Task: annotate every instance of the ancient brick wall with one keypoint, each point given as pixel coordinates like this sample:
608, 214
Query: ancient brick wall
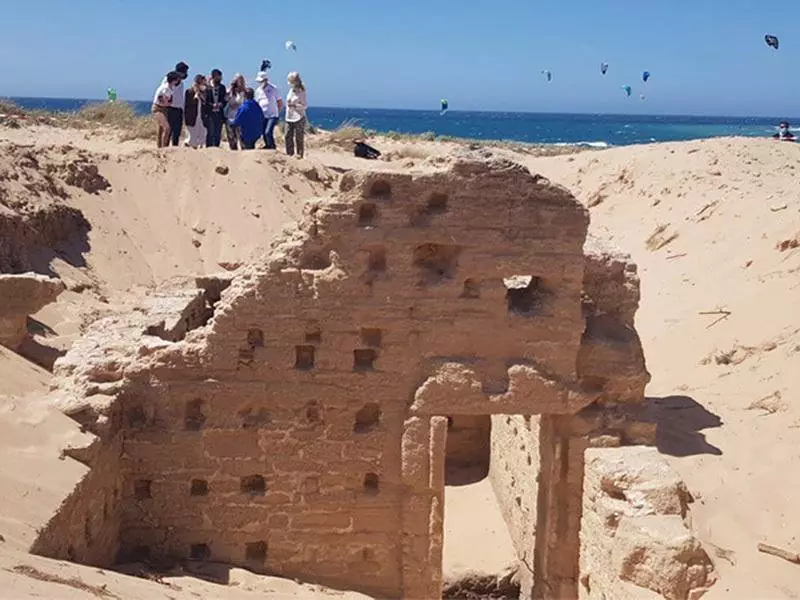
514, 474
302, 430
611, 358
86, 527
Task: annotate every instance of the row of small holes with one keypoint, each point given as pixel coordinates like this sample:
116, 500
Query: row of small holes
254, 485
194, 418
363, 358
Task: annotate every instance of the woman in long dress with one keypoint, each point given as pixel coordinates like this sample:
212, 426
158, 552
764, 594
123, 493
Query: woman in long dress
235, 100
194, 113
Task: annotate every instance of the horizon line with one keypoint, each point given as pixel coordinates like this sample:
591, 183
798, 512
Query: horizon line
433, 110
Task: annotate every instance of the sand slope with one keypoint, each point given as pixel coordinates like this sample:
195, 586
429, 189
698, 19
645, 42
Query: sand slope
726, 391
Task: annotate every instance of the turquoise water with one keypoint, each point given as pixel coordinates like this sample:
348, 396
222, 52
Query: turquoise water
544, 128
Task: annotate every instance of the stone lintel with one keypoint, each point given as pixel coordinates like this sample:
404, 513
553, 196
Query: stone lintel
456, 389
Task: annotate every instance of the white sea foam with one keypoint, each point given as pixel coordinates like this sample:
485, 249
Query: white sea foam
585, 144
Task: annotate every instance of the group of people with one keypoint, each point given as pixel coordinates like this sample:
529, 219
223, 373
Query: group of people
247, 114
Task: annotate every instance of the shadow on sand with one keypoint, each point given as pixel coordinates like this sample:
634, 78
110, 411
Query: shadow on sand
71, 250
681, 420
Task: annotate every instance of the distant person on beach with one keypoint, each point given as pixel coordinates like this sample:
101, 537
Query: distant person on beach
296, 105
175, 112
249, 120
236, 98
784, 132
216, 98
268, 97
195, 112
162, 102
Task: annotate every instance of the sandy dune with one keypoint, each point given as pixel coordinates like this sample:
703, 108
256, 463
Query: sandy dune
711, 225
726, 390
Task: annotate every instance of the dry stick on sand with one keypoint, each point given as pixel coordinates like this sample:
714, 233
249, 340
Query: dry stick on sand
677, 256
792, 557
724, 315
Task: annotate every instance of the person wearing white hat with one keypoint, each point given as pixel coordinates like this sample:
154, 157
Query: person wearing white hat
269, 99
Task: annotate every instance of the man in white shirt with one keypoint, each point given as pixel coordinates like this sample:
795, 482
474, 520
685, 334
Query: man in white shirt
175, 111
269, 99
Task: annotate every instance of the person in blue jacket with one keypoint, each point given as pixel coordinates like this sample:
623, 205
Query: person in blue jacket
250, 119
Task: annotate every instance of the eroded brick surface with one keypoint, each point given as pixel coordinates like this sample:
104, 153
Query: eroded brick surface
296, 421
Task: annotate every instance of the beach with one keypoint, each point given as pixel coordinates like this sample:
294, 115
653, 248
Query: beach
585, 130
712, 225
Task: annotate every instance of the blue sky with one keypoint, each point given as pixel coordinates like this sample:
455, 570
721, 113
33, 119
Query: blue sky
705, 56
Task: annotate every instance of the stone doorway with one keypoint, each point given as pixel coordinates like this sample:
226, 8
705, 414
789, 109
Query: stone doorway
478, 558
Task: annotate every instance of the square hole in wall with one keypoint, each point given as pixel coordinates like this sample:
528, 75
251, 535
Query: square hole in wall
380, 189
255, 338
199, 552
142, 489
435, 262
523, 294
194, 419
254, 419
256, 552
377, 258
372, 484
304, 357
437, 204
364, 359
199, 487
314, 335
136, 416
255, 485
371, 337
367, 214
368, 418
472, 289
315, 260
313, 413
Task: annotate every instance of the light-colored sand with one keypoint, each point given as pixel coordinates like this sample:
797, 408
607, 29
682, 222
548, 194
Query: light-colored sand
731, 202
476, 539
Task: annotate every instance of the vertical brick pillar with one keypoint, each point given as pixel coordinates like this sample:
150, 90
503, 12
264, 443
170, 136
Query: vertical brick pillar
557, 549
423, 449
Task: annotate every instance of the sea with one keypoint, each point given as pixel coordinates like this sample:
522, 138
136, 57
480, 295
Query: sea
600, 130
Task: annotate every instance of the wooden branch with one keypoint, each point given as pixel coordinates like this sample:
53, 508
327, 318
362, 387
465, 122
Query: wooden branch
778, 208
724, 314
792, 557
676, 256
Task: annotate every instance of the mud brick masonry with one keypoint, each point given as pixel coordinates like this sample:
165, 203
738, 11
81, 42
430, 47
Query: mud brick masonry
293, 417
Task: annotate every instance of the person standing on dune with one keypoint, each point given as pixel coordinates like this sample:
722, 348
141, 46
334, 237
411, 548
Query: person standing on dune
175, 112
162, 101
268, 97
195, 112
236, 97
249, 120
296, 105
216, 98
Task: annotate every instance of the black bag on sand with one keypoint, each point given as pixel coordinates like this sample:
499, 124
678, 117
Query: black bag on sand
363, 150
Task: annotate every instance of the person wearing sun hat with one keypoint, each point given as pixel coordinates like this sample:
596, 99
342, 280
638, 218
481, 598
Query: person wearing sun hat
269, 99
